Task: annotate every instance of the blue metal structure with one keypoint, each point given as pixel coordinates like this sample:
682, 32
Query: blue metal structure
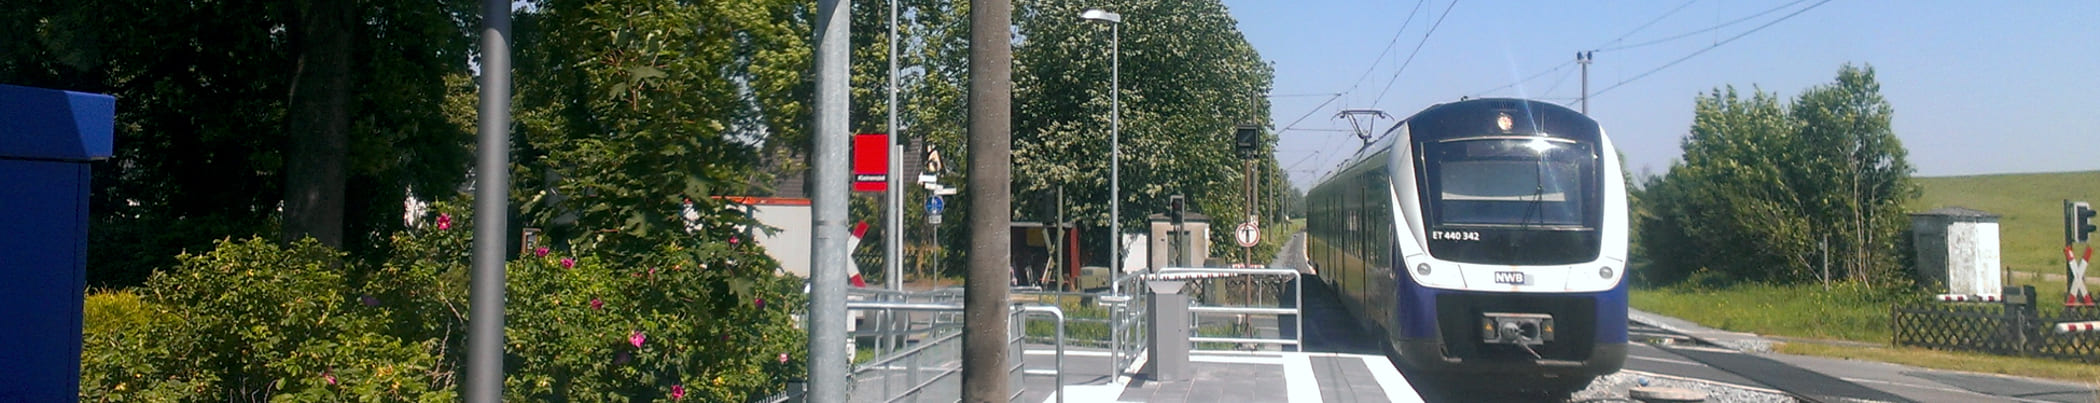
47, 140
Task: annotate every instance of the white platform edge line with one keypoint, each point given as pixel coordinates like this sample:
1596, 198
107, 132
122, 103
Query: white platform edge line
1241, 360
1396, 387
1299, 383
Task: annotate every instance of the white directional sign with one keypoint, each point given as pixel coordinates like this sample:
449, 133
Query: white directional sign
1248, 234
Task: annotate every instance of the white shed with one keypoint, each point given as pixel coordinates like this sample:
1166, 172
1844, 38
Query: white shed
1958, 247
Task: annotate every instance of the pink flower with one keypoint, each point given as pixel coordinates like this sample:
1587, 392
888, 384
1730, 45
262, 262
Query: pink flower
597, 303
783, 358
568, 263
761, 303
444, 222
677, 392
733, 240
541, 252
636, 339
327, 377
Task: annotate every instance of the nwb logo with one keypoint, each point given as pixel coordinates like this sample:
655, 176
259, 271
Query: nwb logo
1511, 277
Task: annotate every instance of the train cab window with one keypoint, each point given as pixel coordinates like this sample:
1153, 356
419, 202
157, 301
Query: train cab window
1512, 181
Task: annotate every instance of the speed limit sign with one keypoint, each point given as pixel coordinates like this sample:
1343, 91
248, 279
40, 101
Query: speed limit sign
1248, 234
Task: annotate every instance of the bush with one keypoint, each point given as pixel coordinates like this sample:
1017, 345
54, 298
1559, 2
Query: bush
254, 321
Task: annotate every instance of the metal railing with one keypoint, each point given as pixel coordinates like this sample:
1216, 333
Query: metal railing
1023, 313
920, 357
1206, 305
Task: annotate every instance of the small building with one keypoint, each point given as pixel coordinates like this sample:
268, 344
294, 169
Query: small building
1958, 247
1193, 240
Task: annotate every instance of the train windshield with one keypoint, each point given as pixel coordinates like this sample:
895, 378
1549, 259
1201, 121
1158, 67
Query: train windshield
1512, 182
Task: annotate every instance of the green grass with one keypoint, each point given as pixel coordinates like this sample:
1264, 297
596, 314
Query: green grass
1844, 313
1847, 312
2030, 230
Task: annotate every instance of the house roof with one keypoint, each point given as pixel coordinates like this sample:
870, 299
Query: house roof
1958, 212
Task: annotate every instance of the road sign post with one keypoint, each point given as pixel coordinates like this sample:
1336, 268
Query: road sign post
1248, 234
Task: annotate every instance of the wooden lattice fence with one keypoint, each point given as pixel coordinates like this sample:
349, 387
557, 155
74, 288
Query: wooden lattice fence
2007, 329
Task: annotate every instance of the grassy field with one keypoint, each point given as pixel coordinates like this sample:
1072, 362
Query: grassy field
1844, 313
2031, 229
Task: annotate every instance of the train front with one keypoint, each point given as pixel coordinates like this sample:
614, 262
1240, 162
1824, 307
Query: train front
1517, 265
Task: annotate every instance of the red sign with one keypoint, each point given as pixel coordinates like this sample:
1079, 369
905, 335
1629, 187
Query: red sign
871, 162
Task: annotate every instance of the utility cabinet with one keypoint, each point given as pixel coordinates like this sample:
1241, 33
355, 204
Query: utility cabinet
1191, 242
47, 140
1958, 247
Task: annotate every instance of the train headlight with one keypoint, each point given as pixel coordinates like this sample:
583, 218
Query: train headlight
1422, 269
1605, 272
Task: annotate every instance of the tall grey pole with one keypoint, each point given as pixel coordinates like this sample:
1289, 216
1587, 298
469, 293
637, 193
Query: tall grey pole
991, 208
827, 312
893, 196
491, 205
1115, 150
1583, 58
893, 233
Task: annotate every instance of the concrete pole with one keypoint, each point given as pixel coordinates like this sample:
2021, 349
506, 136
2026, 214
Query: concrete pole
827, 312
484, 383
893, 196
1583, 58
991, 211
893, 233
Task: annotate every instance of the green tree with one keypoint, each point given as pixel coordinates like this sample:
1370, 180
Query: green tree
1188, 77
627, 109
204, 93
1864, 165
1763, 183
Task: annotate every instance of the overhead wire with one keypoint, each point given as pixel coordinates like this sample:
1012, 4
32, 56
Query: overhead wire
1388, 47
1565, 64
1696, 53
1651, 22
1704, 30
1557, 82
1418, 49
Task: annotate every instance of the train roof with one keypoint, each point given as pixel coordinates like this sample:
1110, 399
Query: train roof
1472, 117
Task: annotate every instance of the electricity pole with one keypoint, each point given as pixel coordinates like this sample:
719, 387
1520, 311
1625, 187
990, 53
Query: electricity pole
893, 231
991, 212
828, 262
1583, 58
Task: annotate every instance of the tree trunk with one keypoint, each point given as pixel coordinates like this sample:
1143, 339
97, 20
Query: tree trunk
318, 123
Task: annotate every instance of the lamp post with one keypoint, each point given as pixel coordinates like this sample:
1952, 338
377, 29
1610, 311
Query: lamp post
1115, 143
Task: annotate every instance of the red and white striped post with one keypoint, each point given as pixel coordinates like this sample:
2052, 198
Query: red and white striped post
2078, 295
1970, 298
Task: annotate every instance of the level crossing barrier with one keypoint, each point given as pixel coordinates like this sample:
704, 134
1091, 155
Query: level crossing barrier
1969, 298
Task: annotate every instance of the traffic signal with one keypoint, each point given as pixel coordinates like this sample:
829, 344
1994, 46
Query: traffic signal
1176, 205
2081, 222
1247, 140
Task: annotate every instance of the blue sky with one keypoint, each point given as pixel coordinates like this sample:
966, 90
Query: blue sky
1977, 87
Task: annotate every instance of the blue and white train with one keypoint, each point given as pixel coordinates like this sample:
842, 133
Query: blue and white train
1482, 239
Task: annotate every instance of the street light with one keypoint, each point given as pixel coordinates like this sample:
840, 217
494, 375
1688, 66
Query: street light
1115, 143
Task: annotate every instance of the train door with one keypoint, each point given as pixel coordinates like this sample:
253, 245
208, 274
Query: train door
1378, 270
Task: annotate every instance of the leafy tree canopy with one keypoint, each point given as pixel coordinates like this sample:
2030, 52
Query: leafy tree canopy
1764, 185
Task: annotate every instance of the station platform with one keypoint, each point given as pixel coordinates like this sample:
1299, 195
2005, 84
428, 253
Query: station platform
1227, 376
